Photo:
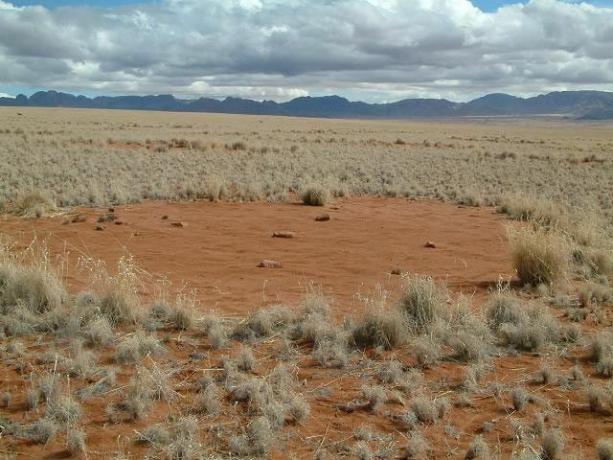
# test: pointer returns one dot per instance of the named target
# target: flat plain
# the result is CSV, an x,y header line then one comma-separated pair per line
x,y
181,286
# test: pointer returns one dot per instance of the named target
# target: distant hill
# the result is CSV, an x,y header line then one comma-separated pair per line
x,y
588,105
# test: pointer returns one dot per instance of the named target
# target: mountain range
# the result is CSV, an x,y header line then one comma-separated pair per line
x,y
589,105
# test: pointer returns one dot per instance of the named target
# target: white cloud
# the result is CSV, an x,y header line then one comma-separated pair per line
x,y
371,49
6,95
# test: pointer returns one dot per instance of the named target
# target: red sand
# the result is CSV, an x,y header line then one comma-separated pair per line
x,y
220,245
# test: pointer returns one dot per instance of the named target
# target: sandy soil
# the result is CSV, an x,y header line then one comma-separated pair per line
x,y
218,249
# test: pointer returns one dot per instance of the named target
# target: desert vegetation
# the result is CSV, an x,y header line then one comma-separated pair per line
x,y
130,365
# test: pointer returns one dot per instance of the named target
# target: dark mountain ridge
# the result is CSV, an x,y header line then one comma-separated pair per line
x,y
597,105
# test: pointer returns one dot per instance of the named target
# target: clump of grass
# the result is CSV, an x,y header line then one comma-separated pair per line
x,y
212,327
33,204
265,322
155,435
120,303
36,287
519,398
379,328
416,448
601,353
99,332
427,351
134,348
543,212
604,449
41,431
391,372
208,400
315,196
374,396
539,257
599,399
429,411
5,399
503,308
421,302
298,409
536,328
136,399
245,360
63,409
256,441
478,450
76,441
331,352
552,445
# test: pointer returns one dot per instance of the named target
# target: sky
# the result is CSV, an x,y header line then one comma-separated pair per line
x,y
371,50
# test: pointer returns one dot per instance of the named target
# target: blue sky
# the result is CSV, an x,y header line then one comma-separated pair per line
x,y
372,50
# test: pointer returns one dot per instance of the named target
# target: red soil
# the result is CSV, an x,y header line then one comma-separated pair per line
x,y
218,249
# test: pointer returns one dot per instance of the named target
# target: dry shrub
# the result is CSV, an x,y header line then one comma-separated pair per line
x,y
540,257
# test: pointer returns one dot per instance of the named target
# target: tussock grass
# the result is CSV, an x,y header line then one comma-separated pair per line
x,y
604,449
380,328
315,196
421,302
552,445
539,257
33,204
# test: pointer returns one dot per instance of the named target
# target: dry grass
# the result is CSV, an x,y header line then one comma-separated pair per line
x,y
540,257
61,364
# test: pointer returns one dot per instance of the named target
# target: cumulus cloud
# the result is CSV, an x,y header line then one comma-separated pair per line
x,y
279,49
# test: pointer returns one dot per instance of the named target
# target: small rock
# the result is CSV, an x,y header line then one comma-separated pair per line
x,y
266,263
179,224
397,271
322,218
66,222
430,244
136,234
119,222
99,228
111,209
283,234
165,217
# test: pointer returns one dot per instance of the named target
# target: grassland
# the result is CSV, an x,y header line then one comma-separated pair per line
x,y
122,370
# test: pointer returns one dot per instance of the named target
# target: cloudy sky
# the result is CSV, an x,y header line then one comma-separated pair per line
x,y
373,50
